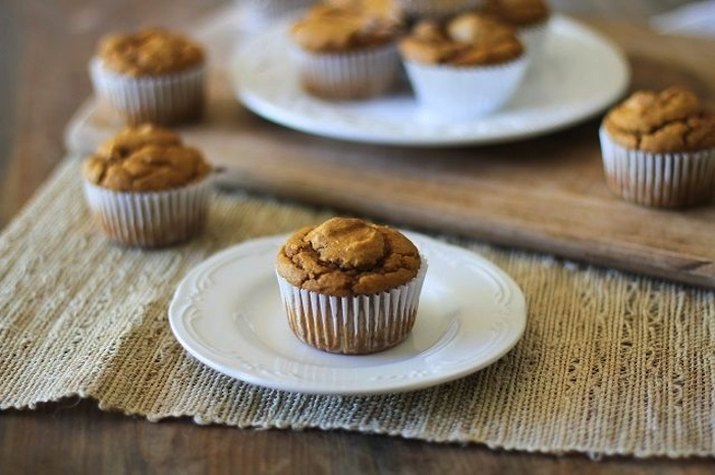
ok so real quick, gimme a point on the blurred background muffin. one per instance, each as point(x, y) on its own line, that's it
point(347, 49)
point(659, 149)
point(153, 75)
point(464, 68)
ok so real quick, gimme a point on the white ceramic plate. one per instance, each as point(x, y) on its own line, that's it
point(579, 75)
point(228, 314)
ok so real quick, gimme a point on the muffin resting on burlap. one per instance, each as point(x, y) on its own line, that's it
point(145, 188)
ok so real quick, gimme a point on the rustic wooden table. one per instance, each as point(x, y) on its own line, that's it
point(43, 51)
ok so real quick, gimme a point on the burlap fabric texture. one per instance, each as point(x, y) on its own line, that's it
point(610, 363)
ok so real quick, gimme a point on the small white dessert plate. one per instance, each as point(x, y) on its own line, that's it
point(227, 313)
point(578, 75)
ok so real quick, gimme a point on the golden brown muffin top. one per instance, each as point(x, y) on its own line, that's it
point(346, 257)
point(519, 12)
point(469, 39)
point(347, 25)
point(672, 120)
point(149, 52)
point(144, 158)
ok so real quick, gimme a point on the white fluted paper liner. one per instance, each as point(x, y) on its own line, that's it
point(437, 9)
point(353, 325)
point(350, 75)
point(150, 219)
point(464, 92)
point(166, 99)
point(658, 179)
point(533, 37)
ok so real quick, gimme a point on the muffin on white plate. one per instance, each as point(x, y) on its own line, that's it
point(349, 286)
point(152, 75)
point(659, 149)
point(145, 188)
point(348, 50)
point(467, 67)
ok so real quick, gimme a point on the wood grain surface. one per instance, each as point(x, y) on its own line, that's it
point(74, 437)
point(44, 47)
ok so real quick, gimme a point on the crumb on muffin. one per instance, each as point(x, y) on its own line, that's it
point(466, 40)
point(673, 120)
point(149, 52)
point(347, 257)
point(144, 158)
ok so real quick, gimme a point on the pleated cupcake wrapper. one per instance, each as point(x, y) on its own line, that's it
point(438, 9)
point(658, 179)
point(534, 37)
point(166, 99)
point(351, 75)
point(353, 325)
point(464, 92)
point(150, 219)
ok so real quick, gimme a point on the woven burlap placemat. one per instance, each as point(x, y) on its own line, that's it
point(610, 363)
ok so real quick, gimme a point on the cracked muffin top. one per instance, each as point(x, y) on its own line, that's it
point(469, 39)
point(149, 52)
point(144, 158)
point(346, 257)
point(672, 120)
point(519, 12)
point(347, 25)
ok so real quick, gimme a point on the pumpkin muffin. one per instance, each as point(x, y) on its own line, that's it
point(147, 189)
point(152, 75)
point(346, 49)
point(529, 17)
point(466, 67)
point(350, 286)
point(659, 148)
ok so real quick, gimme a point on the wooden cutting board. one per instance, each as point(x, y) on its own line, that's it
point(546, 194)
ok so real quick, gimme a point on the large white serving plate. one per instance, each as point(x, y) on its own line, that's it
point(579, 74)
point(227, 313)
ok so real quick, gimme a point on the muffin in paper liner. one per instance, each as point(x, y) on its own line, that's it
point(151, 218)
point(465, 92)
point(658, 179)
point(360, 324)
point(166, 99)
point(437, 9)
point(357, 74)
